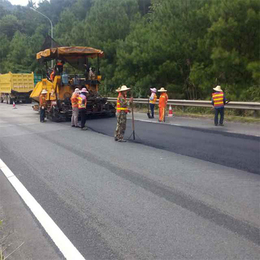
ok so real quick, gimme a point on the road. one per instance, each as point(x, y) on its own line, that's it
point(177, 193)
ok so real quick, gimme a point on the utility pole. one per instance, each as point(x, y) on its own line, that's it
point(51, 28)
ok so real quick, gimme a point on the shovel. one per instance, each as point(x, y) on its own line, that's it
point(148, 112)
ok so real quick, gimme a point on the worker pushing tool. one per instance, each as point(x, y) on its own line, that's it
point(162, 104)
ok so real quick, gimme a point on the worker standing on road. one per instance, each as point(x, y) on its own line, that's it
point(75, 109)
point(43, 104)
point(218, 102)
point(122, 111)
point(82, 105)
point(152, 100)
point(162, 104)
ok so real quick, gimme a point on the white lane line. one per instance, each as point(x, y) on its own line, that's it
point(69, 251)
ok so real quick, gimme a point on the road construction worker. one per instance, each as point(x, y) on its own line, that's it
point(82, 105)
point(162, 104)
point(43, 104)
point(218, 102)
point(91, 74)
point(52, 75)
point(59, 67)
point(152, 100)
point(121, 110)
point(75, 109)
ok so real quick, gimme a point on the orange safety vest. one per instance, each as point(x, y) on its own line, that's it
point(43, 101)
point(118, 105)
point(74, 100)
point(163, 100)
point(218, 99)
point(82, 102)
point(153, 101)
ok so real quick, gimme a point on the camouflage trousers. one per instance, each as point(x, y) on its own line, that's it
point(121, 125)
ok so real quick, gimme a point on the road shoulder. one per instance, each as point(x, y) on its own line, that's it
point(20, 228)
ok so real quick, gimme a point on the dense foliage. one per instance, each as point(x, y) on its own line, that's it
point(187, 46)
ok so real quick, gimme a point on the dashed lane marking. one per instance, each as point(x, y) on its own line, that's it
point(69, 251)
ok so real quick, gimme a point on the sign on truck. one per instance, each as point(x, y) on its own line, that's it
point(16, 87)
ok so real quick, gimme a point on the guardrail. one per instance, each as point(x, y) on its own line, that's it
point(200, 103)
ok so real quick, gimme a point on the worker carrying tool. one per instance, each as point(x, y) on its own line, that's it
point(75, 109)
point(218, 102)
point(162, 104)
point(82, 105)
point(43, 104)
point(152, 100)
point(121, 113)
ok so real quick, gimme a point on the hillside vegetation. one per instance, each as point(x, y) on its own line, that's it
point(187, 46)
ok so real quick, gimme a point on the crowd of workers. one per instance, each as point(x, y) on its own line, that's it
point(79, 105)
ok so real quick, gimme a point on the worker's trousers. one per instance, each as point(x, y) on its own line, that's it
point(152, 109)
point(221, 112)
point(42, 114)
point(75, 116)
point(121, 125)
point(82, 113)
point(162, 114)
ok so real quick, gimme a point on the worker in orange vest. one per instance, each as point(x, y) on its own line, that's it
point(75, 109)
point(121, 112)
point(43, 104)
point(162, 104)
point(218, 102)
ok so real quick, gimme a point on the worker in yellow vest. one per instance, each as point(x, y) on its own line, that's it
point(82, 105)
point(121, 112)
point(43, 104)
point(152, 100)
point(218, 102)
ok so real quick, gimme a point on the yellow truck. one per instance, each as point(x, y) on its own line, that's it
point(16, 87)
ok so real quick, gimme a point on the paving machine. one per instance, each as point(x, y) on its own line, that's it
point(60, 86)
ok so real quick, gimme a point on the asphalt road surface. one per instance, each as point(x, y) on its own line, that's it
point(177, 193)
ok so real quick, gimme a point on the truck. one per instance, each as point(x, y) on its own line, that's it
point(15, 87)
point(60, 87)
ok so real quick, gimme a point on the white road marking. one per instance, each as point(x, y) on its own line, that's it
point(69, 251)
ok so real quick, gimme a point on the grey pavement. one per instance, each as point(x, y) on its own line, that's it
point(127, 200)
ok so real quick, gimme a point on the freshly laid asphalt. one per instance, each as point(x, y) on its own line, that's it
point(230, 149)
point(178, 192)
